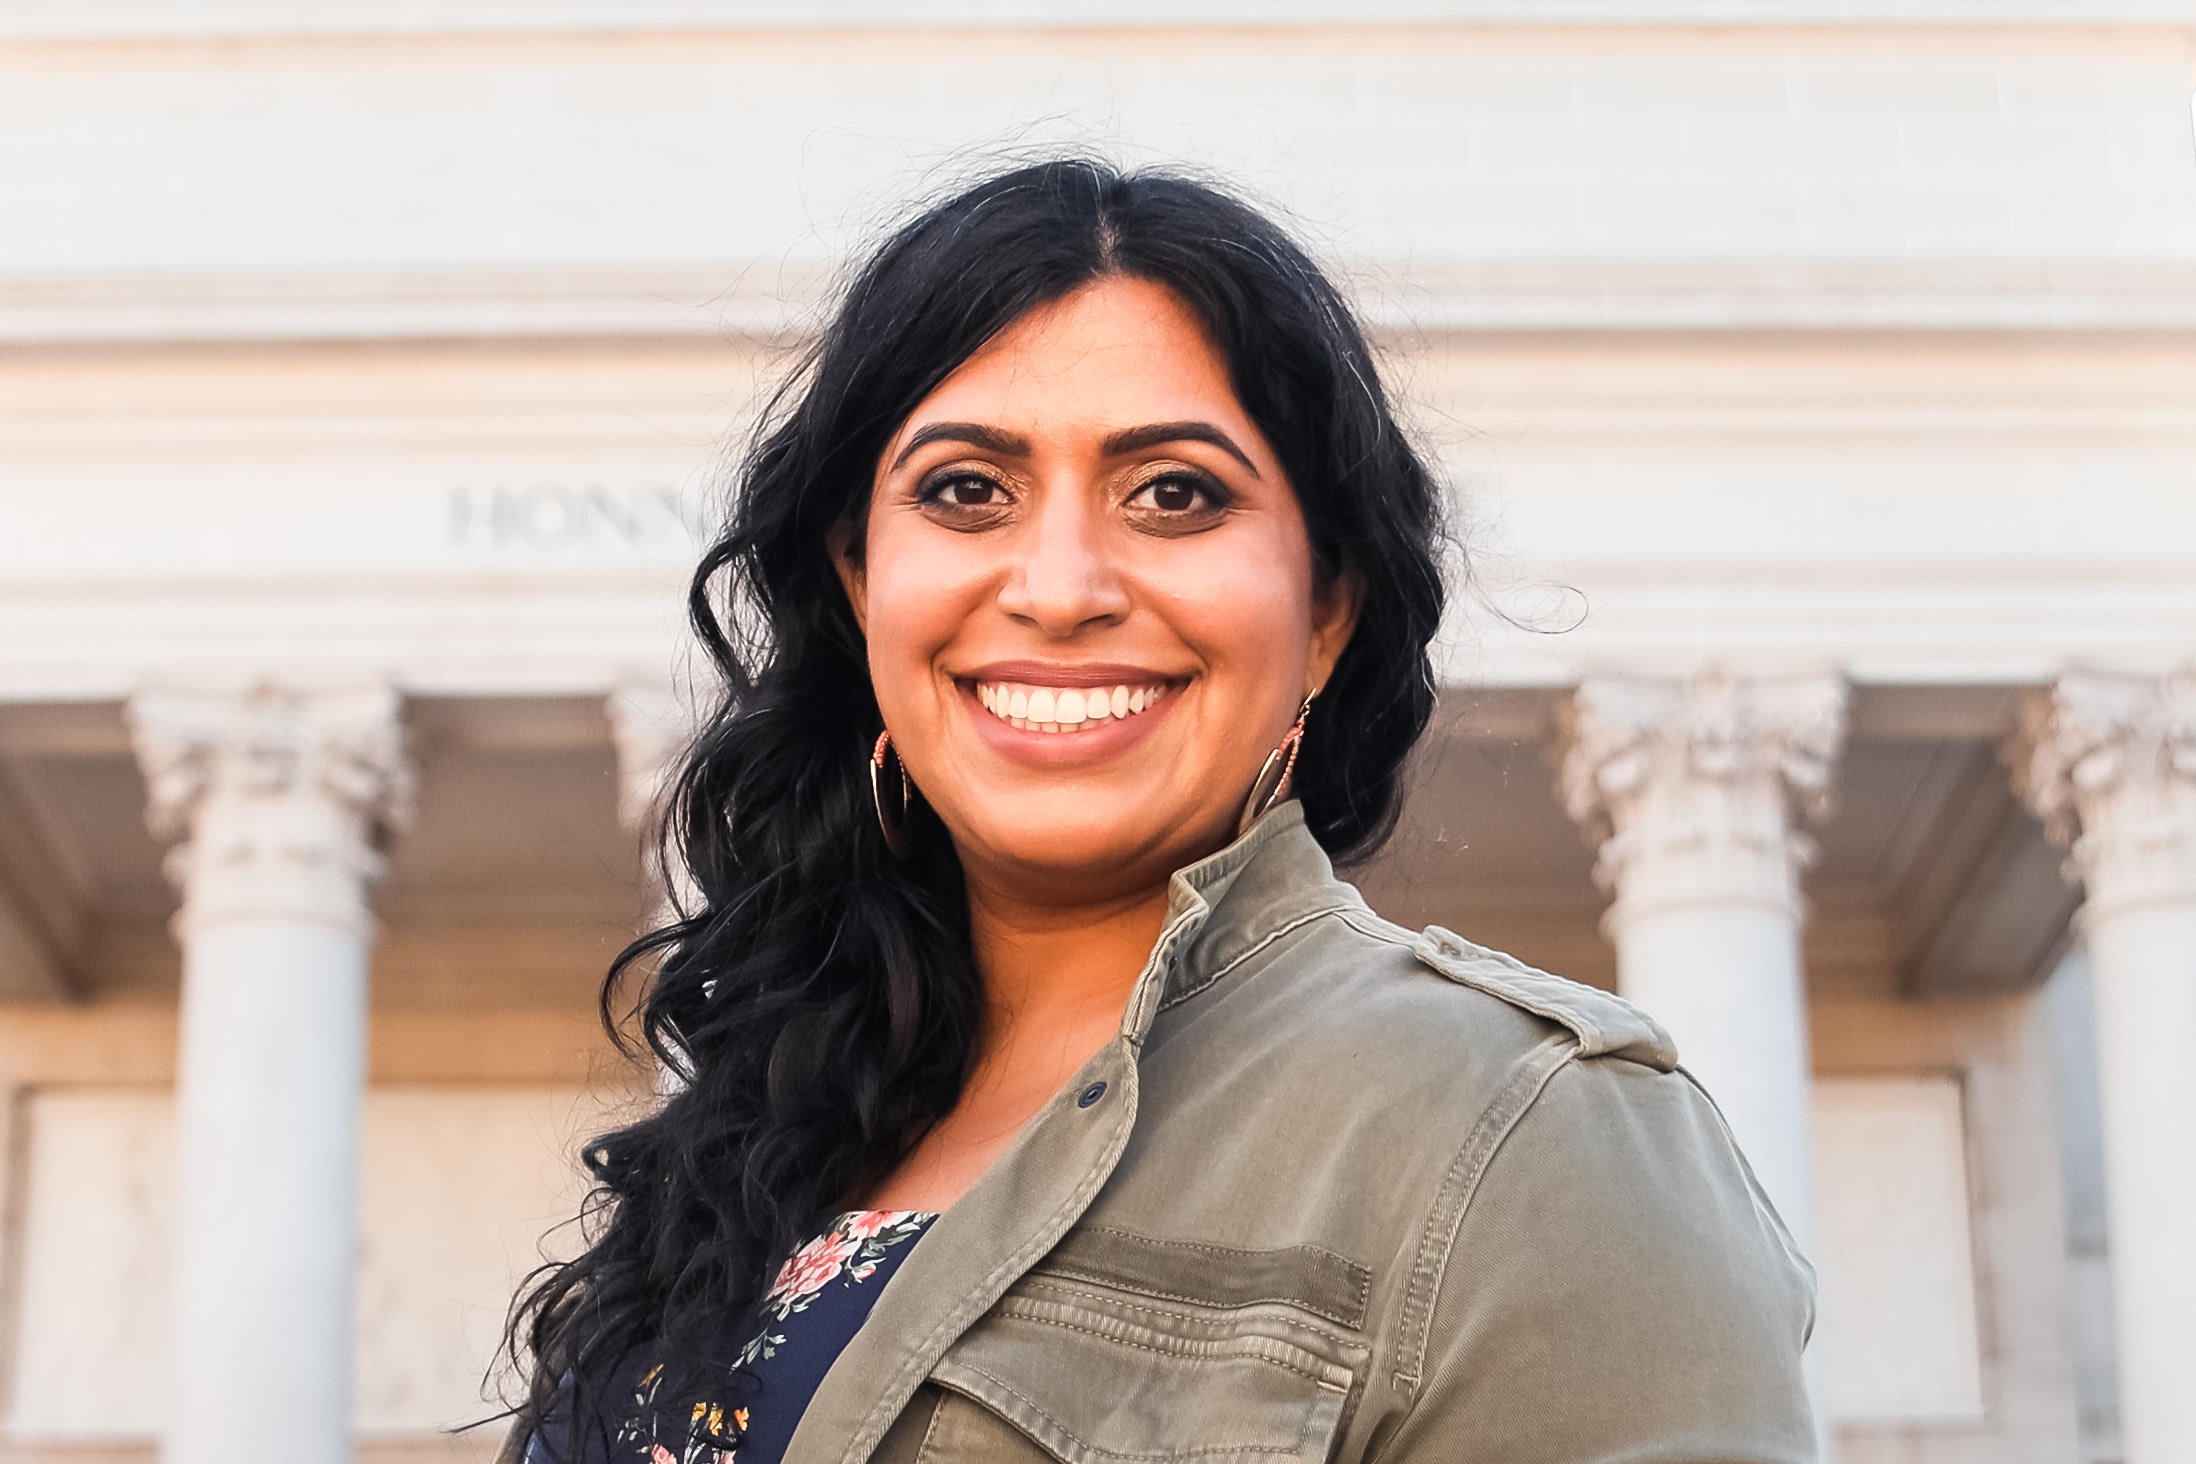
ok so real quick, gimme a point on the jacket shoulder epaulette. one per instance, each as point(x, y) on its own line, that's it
point(1605, 1024)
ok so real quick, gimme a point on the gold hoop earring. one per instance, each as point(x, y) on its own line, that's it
point(1272, 784)
point(892, 808)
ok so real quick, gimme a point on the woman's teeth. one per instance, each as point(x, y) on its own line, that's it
point(1064, 709)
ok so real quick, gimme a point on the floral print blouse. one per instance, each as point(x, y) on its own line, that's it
point(822, 1295)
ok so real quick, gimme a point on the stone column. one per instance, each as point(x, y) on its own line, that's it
point(2109, 762)
point(282, 800)
point(1694, 791)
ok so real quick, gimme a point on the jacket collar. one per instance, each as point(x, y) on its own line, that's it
point(1228, 904)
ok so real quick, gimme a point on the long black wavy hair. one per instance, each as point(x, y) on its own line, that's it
point(815, 996)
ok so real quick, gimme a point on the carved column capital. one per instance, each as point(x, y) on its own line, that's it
point(1695, 790)
point(282, 799)
point(2108, 761)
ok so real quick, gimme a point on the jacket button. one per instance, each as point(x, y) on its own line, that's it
point(1090, 1095)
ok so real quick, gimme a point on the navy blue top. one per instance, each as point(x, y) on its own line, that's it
point(821, 1298)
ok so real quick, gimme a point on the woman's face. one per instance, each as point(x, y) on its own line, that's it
point(1089, 599)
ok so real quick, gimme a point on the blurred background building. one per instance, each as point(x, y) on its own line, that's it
point(1817, 384)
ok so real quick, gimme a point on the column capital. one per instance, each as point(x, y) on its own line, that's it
point(282, 798)
point(1695, 789)
point(2108, 761)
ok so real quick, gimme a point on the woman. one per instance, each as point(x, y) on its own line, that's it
point(1043, 1095)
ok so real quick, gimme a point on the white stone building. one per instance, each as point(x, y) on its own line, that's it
point(1817, 377)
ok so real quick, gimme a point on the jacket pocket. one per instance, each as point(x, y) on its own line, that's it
point(1084, 1373)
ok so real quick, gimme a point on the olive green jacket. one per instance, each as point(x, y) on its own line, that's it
point(1340, 1191)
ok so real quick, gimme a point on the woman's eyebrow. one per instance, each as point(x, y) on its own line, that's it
point(1135, 439)
point(975, 434)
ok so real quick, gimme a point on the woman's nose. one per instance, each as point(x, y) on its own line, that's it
point(1063, 578)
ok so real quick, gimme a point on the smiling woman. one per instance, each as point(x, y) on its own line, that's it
point(1042, 1093)
point(1081, 513)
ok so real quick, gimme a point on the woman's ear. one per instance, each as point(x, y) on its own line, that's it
point(1333, 621)
point(840, 543)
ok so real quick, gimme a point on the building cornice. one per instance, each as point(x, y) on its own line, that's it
point(1786, 294)
point(162, 19)
point(1438, 297)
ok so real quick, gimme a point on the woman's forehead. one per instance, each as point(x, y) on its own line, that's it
point(1116, 354)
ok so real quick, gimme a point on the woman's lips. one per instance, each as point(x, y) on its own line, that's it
point(1053, 715)
point(1069, 710)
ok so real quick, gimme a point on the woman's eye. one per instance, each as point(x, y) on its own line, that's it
point(1177, 495)
point(967, 491)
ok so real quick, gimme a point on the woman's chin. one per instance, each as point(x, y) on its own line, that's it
point(1093, 855)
